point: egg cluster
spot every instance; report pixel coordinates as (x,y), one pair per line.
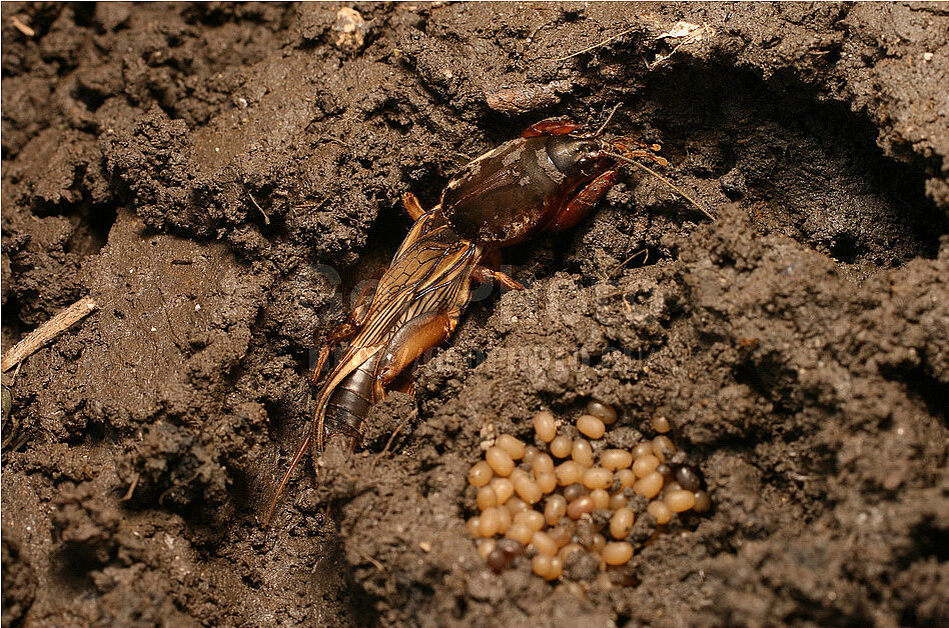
(548,504)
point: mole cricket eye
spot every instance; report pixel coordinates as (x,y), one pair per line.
(586,164)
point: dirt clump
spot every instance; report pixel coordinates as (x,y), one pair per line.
(221,179)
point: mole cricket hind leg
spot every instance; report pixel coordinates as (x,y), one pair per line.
(404,382)
(584,202)
(412,206)
(551,126)
(412,340)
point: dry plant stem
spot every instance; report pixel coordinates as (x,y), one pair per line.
(665,181)
(597,45)
(23,28)
(48,331)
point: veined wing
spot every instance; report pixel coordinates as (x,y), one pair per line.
(430,273)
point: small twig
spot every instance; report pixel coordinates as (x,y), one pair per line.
(23,28)
(694,35)
(610,295)
(161,498)
(794,475)
(643,252)
(607,121)
(368,558)
(254,201)
(593,47)
(389,442)
(132,486)
(47,332)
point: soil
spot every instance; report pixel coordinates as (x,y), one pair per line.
(221,178)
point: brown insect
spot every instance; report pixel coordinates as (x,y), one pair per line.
(548,179)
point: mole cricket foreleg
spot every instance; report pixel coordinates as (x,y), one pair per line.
(551,126)
(483,274)
(583,202)
(412,207)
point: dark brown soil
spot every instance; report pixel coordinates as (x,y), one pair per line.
(219,178)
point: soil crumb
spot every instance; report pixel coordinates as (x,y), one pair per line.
(222,178)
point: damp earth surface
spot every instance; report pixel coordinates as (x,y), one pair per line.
(221,179)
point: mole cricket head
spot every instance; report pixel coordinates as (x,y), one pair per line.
(581,158)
